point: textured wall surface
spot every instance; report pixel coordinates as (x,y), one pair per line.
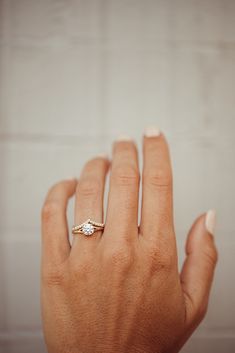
(76,73)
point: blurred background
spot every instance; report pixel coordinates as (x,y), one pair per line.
(74,74)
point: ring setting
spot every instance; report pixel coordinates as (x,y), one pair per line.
(87,228)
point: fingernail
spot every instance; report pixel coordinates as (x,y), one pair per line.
(102,155)
(71,179)
(152,131)
(210,221)
(123,138)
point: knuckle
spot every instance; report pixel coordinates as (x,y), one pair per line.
(160,260)
(49,209)
(126,175)
(158,178)
(119,256)
(83,266)
(53,277)
(89,187)
(211,255)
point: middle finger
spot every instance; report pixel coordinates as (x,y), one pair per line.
(123,192)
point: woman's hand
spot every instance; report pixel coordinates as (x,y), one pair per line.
(120,290)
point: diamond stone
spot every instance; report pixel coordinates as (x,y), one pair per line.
(88,229)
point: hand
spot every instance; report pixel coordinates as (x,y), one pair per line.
(120,290)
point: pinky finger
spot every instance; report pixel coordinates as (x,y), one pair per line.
(55,240)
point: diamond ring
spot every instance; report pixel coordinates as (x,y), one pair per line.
(87,228)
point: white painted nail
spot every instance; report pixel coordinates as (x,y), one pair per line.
(123,138)
(71,179)
(152,131)
(210,221)
(102,155)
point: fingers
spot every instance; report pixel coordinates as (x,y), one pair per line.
(157,209)
(89,197)
(55,242)
(122,213)
(198,268)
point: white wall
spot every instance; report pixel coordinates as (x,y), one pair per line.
(76,73)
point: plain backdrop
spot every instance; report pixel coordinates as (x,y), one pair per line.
(74,74)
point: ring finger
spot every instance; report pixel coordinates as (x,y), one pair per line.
(89,198)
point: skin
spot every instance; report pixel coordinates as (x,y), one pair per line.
(120,290)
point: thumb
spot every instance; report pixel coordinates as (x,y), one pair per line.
(198,268)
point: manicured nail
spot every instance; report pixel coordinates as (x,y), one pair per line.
(102,155)
(123,138)
(152,131)
(210,221)
(71,179)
